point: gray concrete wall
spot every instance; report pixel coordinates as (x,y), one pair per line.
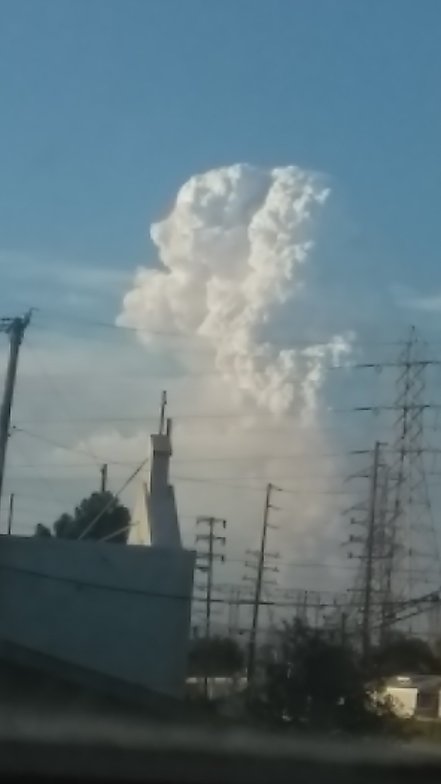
(121,611)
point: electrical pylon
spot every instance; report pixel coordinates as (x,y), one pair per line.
(407,559)
(412,565)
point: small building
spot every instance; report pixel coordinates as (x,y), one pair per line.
(415,695)
(103,614)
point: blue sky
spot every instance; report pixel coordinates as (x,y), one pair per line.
(107,107)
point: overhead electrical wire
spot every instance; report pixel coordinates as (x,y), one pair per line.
(56,391)
(109,325)
(289,603)
(111,501)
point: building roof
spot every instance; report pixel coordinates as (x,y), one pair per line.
(414,681)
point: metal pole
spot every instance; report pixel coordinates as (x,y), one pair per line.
(258,591)
(15,328)
(370,541)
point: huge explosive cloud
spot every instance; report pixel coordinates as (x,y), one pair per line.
(230,258)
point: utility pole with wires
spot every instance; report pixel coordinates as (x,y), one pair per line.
(11,513)
(205,559)
(103,474)
(262,554)
(111,502)
(233,623)
(369,547)
(15,328)
(162,412)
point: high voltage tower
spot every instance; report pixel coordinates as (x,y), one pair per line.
(400,570)
(413,559)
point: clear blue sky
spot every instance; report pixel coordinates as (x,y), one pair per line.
(108,106)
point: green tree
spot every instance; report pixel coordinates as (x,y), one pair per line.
(219,656)
(113,524)
(402,654)
(42,531)
(317,684)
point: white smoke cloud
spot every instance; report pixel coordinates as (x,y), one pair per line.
(232,277)
(232,250)
(232,261)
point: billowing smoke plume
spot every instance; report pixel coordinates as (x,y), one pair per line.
(231,252)
(234,276)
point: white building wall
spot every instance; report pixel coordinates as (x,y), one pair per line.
(155,518)
(403,700)
(122,611)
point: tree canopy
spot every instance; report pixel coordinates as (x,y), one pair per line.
(402,654)
(218,656)
(113,524)
(317,684)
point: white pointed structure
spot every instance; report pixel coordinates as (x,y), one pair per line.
(155,518)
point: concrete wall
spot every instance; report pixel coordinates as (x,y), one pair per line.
(121,611)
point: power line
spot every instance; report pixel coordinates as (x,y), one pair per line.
(224,458)
(38,475)
(125,328)
(58,394)
(111,501)
(245,601)
(57,444)
(254,488)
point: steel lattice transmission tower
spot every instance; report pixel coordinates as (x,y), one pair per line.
(395,536)
(412,565)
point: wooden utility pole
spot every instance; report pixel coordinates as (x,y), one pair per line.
(258,589)
(233,613)
(206,559)
(10,513)
(205,563)
(103,472)
(370,546)
(15,328)
(162,412)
